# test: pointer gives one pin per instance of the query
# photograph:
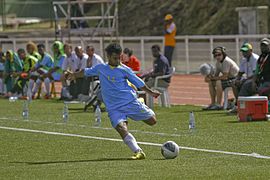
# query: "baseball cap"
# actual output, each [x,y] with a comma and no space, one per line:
[245,47]
[168,17]
[265,41]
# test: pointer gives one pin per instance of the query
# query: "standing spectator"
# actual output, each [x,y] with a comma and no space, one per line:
[130,60]
[217,83]
[170,32]
[160,67]
[260,83]
[246,70]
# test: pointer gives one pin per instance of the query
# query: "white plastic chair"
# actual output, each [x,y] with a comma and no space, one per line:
[164,98]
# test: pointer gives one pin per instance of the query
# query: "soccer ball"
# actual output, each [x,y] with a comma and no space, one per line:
[170,150]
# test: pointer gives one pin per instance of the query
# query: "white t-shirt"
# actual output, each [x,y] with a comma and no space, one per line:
[96,59]
[70,63]
[227,66]
[248,66]
[82,62]
[74,63]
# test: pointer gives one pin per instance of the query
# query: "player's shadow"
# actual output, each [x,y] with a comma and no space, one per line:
[71,161]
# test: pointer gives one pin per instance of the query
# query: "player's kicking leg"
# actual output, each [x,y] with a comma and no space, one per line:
[130,141]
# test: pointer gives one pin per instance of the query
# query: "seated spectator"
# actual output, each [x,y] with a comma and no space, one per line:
[54,73]
[160,67]
[93,58]
[2,68]
[260,83]
[69,64]
[42,67]
[23,77]
[217,83]
[13,68]
[246,70]
[130,60]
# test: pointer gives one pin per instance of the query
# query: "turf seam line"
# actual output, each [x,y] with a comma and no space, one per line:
[255,155]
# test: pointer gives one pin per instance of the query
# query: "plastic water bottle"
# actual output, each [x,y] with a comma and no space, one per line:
[65,112]
[13,99]
[191,121]
[25,112]
[97,116]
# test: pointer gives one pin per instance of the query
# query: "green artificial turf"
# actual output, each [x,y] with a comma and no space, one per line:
[35,155]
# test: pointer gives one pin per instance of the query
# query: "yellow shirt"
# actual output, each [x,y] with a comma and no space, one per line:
[170,35]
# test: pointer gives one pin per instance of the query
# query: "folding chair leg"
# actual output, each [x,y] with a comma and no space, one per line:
[150,101]
[53,92]
[39,92]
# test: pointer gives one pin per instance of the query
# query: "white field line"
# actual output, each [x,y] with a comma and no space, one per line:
[93,127]
[255,155]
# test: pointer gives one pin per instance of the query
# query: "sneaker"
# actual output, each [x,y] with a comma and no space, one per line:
[47,96]
[233,110]
[138,155]
[208,107]
[216,107]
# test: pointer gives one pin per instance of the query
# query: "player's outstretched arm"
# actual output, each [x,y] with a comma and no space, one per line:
[150,91]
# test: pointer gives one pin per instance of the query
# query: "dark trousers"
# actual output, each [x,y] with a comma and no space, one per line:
[168,52]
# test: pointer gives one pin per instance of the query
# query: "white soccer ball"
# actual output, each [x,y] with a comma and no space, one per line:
[170,150]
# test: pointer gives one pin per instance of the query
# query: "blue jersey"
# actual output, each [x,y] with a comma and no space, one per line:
[114,86]
[47,61]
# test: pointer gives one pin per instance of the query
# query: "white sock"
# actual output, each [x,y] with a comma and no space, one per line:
[1,86]
[38,84]
[131,142]
[47,85]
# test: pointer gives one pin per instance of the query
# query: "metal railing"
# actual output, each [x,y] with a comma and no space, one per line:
[189,53]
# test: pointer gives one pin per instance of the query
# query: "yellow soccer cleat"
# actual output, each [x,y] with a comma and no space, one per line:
[138,155]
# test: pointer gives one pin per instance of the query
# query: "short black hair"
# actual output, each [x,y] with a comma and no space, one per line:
[41,46]
[90,47]
[155,46]
[20,51]
[128,51]
[113,48]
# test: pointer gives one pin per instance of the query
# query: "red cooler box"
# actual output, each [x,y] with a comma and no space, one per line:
[252,108]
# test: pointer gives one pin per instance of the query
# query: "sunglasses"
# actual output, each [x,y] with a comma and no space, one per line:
[216,55]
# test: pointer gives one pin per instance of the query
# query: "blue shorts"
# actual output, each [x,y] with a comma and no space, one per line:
[56,76]
[135,110]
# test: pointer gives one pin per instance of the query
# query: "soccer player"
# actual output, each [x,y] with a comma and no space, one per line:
[120,99]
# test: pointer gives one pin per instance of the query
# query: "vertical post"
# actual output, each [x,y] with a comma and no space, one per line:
[121,41]
[3,13]
[142,53]
[187,55]
[46,45]
[116,19]
[211,48]
[69,22]
[101,48]
[237,50]
[14,44]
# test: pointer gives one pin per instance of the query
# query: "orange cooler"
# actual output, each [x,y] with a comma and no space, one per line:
[252,108]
